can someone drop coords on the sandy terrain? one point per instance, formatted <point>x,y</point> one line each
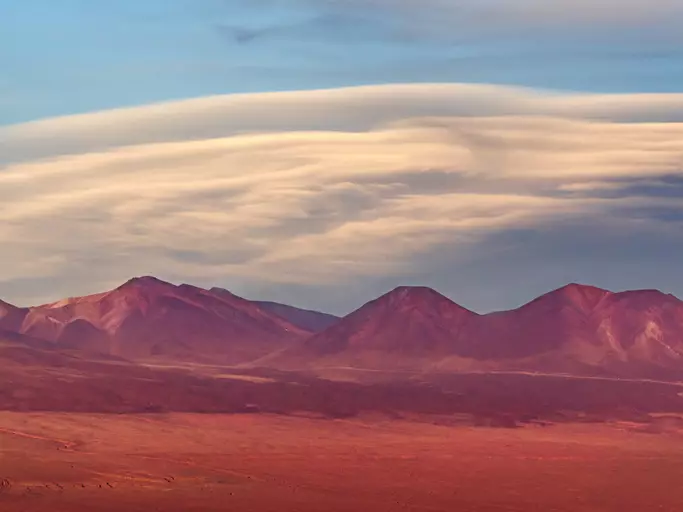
<point>61,462</point>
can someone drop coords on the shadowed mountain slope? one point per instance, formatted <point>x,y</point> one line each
<point>11,317</point>
<point>313,321</point>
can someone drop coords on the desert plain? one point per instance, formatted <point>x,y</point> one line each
<point>157,397</point>
<point>72,462</point>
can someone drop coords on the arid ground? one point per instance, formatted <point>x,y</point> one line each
<point>68,462</point>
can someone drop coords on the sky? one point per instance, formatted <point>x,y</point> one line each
<point>322,152</point>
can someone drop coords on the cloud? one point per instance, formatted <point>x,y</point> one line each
<point>513,14</point>
<point>339,27</point>
<point>493,27</point>
<point>483,14</point>
<point>321,189</point>
<point>353,109</point>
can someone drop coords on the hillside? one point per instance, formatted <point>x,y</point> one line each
<point>148,318</point>
<point>576,329</point>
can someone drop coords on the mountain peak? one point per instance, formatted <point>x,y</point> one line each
<point>7,309</point>
<point>417,298</point>
<point>144,286</point>
<point>579,288</point>
<point>223,292</point>
<point>581,296</point>
<point>11,316</point>
<point>147,317</point>
<point>145,281</point>
<point>646,298</point>
<point>137,291</point>
<point>412,293</point>
<point>407,320</point>
<point>6,305</point>
<point>413,290</point>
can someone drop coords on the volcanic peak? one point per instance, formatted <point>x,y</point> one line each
<point>416,296</point>
<point>582,297</point>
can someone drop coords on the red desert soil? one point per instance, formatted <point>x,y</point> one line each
<point>71,462</point>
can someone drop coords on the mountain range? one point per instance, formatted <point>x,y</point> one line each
<point>576,329</point>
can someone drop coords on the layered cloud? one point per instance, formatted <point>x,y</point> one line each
<point>321,189</point>
<point>339,110</point>
<point>483,20</point>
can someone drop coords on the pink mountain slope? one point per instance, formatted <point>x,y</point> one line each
<point>147,317</point>
<point>570,329</point>
<point>575,327</point>
<point>586,324</point>
<point>408,323</point>
<point>11,317</point>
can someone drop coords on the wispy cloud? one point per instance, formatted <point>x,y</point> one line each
<point>327,186</point>
<point>515,13</point>
<point>347,109</point>
<point>326,27</point>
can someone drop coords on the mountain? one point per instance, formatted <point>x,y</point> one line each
<point>146,317</point>
<point>22,351</point>
<point>586,325</point>
<point>644,325</point>
<point>404,326</point>
<point>548,323</point>
<point>575,329</point>
<point>11,317</point>
<point>308,320</point>
<point>312,321</point>
<point>36,377</point>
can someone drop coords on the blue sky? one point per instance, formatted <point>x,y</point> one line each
<point>69,56</point>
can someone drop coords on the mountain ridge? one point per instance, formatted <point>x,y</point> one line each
<point>573,327</point>
<point>146,318</point>
<point>409,327</point>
